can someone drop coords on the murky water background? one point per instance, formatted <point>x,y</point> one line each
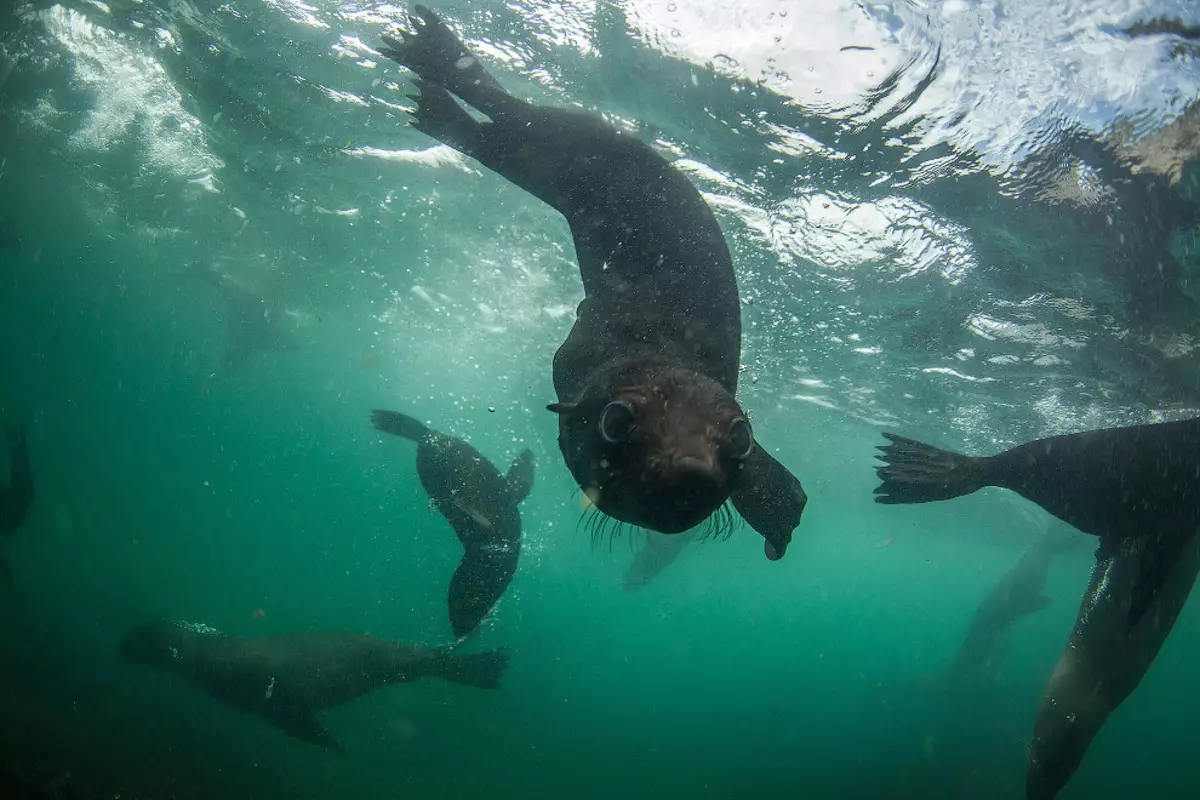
<point>221,246</point>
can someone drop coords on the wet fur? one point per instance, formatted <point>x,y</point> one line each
<point>659,325</point>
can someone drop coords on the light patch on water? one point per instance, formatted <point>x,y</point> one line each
<point>436,156</point>
<point>342,96</point>
<point>299,12</point>
<point>134,99</point>
<point>199,627</point>
<point>814,400</point>
<point>956,374</point>
<point>337,212</point>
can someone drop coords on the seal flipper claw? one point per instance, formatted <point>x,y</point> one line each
<point>771,499</point>
<point>915,472</point>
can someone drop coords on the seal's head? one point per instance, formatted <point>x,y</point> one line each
<point>655,446</point>
<point>159,643</point>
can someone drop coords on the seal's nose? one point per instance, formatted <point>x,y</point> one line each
<point>697,470</point>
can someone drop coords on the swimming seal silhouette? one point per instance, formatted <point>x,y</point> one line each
<point>287,679</point>
<point>481,506</point>
<point>16,498</point>
<point>649,425</point>
<point>1018,593</point>
<point>1137,489</point>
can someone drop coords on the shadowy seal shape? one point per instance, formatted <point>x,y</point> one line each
<point>1136,488</point>
<point>649,425</point>
<point>287,679</point>
<point>481,506</point>
<point>17,497</point>
<point>1018,593</point>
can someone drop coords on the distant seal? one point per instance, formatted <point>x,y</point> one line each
<point>481,506</point>
<point>1137,489</point>
<point>649,425</point>
<point>17,497</point>
<point>1018,593</point>
<point>287,679</point>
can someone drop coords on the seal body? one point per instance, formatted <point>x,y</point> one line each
<point>287,679</point>
<point>649,425</point>
<point>481,506</point>
<point>17,497</point>
<point>1018,593</point>
<point>1137,489</point>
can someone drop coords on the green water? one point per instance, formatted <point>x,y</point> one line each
<point>256,497</point>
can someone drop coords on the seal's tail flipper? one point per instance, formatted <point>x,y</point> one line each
<point>483,670</point>
<point>915,472</point>
<point>520,476</point>
<point>398,424</point>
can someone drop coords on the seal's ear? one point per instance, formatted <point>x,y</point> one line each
<point>562,408</point>
<point>770,498</point>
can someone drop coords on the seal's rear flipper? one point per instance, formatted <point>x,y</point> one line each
<point>398,424</point>
<point>439,116</point>
<point>482,670</point>
<point>770,498</point>
<point>303,725</point>
<point>656,554</point>
<point>915,472</point>
<point>434,52</point>
<point>1107,654</point>
<point>520,476</point>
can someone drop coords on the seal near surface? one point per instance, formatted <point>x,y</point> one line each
<point>1137,489</point>
<point>481,506</point>
<point>17,497</point>
<point>287,679</point>
<point>649,425</point>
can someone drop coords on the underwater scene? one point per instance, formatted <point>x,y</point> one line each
<point>610,399</point>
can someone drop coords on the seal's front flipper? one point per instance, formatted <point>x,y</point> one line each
<point>398,424</point>
<point>304,725</point>
<point>657,553</point>
<point>770,498</point>
<point>520,476</point>
<point>915,472</point>
<point>479,581</point>
<point>1107,655</point>
<point>430,49</point>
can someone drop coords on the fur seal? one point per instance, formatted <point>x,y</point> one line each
<point>287,679</point>
<point>649,424</point>
<point>16,498</point>
<point>1136,488</point>
<point>481,506</point>
<point>1018,593</point>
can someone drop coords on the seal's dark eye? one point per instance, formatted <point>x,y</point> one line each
<point>617,422</point>
<point>741,439</point>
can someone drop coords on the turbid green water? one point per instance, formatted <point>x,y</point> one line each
<point>952,220</point>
